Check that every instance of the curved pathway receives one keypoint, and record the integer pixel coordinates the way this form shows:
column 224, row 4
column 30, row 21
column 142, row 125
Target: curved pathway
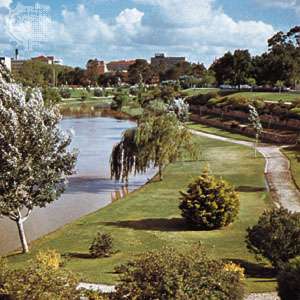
column 280, row 183
column 277, row 172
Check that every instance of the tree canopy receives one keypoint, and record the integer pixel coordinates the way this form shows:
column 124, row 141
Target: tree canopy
column 157, row 141
column 34, row 155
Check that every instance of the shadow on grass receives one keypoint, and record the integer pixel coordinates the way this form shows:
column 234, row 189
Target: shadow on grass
column 175, row 224
column 78, row 255
column 256, row 270
column 250, row 189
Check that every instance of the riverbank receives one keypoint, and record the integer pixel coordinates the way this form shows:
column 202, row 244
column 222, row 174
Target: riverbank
column 150, row 219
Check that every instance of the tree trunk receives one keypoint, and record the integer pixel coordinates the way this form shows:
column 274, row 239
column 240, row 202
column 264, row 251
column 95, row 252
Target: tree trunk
column 22, row 235
column 160, row 173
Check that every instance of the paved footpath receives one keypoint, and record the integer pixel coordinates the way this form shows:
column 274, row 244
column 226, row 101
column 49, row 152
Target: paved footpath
column 277, row 172
column 280, row 183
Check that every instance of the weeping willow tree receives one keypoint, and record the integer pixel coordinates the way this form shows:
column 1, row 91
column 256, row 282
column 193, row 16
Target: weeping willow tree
column 157, row 141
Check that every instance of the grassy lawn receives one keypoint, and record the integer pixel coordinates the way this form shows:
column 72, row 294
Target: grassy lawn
column 286, row 97
column 91, row 100
column 220, row 132
column 149, row 219
column 193, row 92
column 292, row 154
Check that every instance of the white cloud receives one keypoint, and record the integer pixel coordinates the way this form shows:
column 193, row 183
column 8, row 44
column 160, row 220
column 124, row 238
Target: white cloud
column 130, row 20
column 199, row 29
column 5, row 3
column 202, row 27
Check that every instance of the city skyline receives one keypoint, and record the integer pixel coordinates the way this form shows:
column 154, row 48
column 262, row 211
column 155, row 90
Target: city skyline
column 109, row 30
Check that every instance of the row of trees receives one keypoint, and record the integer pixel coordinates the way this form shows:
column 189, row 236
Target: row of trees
column 281, row 63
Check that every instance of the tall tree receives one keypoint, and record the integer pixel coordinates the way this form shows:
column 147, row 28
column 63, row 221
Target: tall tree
column 158, row 140
column 223, row 68
column 34, row 155
column 242, row 66
column 141, row 69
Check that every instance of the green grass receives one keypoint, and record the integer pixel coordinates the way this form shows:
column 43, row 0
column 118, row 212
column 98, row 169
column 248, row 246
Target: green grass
column 149, row 218
column 292, row 154
column 193, row 92
column 286, row 97
column 220, row 132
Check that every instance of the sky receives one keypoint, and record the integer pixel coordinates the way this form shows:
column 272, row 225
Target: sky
column 201, row 30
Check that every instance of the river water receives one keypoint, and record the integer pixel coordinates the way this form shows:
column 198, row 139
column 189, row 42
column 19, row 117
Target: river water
column 88, row 190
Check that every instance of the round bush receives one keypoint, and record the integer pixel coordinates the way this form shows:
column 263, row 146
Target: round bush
column 209, row 203
column 98, row 93
column 65, row 93
column 276, row 236
column 101, row 246
column 169, row 274
column 289, row 281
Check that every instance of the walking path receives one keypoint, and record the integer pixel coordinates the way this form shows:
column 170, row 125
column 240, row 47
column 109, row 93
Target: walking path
column 280, row 183
column 277, row 172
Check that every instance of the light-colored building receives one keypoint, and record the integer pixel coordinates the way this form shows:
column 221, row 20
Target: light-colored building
column 160, row 59
column 6, row 61
column 50, row 60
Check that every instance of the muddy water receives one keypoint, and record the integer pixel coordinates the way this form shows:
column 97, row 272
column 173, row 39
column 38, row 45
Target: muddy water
column 89, row 189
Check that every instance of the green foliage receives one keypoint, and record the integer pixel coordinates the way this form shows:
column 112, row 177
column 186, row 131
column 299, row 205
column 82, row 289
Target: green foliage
column 34, row 154
column 98, row 93
column 120, row 99
column 289, row 281
column 94, row 295
column 42, row 280
column 276, row 236
column 157, row 141
column 209, row 203
column 84, row 94
column 102, row 245
column 51, row 96
column 168, row 274
column 65, row 93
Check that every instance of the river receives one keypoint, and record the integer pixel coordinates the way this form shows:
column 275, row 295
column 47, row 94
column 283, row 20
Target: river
column 89, row 189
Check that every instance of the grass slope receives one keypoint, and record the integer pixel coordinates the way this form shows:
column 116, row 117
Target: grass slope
column 292, row 154
column 149, row 218
column 286, row 97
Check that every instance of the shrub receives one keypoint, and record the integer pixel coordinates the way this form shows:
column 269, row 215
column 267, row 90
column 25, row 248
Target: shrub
column 119, row 101
column 289, row 281
column 98, row 93
column 209, row 203
column 101, row 246
column 84, row 95
column 65, row 93
column 169, row 274
column 276, row 236
column 51, row 96
column 41, row 280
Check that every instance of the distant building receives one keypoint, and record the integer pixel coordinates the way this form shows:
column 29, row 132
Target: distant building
column 161, row 60
column 96, row 67
column 120, row 66
column 50, row 60
column 6, row 61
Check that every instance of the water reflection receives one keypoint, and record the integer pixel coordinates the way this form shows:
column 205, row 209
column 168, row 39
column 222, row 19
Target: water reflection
column 89, row 189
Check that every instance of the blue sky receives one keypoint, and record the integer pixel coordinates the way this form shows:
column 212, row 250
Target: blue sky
column 123, row 29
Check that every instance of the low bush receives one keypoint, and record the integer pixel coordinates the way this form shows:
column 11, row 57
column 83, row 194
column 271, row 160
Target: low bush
column 275, row 237
column 102, row 246
column 209, row 203
column 43, row 279
column 65, row 93
column 289, row 281
column 84, row 95
column 169, row 274
column 51, row 96
column 98, row 93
